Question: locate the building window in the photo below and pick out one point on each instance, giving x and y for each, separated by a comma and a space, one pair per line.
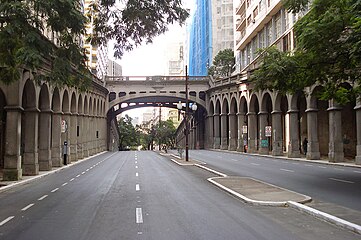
255, 12
278, 24
249, 20
286, 43
269, 34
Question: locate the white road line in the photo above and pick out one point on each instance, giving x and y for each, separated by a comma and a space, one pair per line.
308, 165
340, 169
64, 184
286, 170
6, 220
322, 167
82, 173
256, 164
27, 207
78, 175
357, 171
138, 215
87, 170
136, 166
295, 163
137, 187
54, 190
72, 179
43, 197
340, 180
136, 174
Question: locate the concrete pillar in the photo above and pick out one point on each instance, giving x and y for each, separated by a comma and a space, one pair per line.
252, 132
294, 135
84, 135
65, 136
240, 135
358, 131
262, 136
233, 132
91, 135
209, 132
335, 146
12, 158
277, 133
45, 162
79, 135
73, 138
313, 147
56, 149
217, 137
31, 159
224, 142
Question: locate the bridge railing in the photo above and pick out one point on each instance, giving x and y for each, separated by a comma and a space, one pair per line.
156, 78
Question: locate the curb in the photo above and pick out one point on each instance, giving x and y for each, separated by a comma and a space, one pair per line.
182, 164
325, 216
34, 178
210, 170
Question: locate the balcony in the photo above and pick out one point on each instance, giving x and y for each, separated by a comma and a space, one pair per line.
241, 23
242, 8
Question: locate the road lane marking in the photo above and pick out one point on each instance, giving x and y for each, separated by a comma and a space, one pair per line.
136, 174
78, 175
137, 187
27, 207
54, 190
357, 171
87, 170
138, 215
72, 179
296, 163
286, 170
340, 169
256, 164
136, 166
64, 184
6, 220
82, 173
340, 180
322, 167
308, 165
43, 197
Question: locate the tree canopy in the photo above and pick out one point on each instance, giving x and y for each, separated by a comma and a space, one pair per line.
129, 135
222, 64
328, 52
23, 45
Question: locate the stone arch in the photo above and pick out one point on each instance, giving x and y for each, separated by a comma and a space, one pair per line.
86, 105
225, 124
243, 124
29, 130
3, 104
44, 134
217, 124
265, 120
65, 102
253, 124
281, 124
56, 143
233, 124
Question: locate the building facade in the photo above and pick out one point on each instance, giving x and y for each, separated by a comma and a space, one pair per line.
114, 69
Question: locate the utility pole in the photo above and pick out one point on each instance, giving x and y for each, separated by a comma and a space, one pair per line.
186, 115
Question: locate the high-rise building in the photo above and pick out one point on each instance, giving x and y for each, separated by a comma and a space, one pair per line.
259, 24
97, 55
211, 31
114, 69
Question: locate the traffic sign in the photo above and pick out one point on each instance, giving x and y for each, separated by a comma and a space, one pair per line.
64, 126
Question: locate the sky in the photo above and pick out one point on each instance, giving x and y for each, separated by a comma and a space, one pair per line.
149, 59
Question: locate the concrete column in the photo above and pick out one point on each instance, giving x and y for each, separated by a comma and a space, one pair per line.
91, 135
12, 158
31, 159
73, 138
217, 137
224, 144
294, 135
313, 147
45, 162
79, 136
65, 136
233, 132
262, 126
277, 133
84, 136
335, 146
209, 131
240, 135
358, 131
252, 132
56, 148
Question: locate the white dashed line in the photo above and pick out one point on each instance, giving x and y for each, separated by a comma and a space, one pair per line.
286, 170
82, 173
27, 207
136, 174
54, 190
340, 169
296, 163
78, 175
72, 179
6, 220
357, 171
136, 166
137, 187
340, 180
64, 184
87, 170
308, 165
43, 197
136, 162
138, 215
255, 164
322, 167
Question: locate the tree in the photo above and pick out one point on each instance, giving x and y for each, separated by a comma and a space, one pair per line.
222, 64
165, 133
328, 52
129, 136
23, 46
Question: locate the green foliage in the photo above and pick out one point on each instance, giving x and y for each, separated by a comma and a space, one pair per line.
135, 22
222, 64
22, 44
328, 52
129, 135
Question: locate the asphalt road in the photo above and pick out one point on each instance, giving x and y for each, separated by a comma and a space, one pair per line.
141, 195
329, 183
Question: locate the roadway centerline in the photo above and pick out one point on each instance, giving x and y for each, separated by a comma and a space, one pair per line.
78, 175
72, 179
255, 164
136, 174
308, 165
136, 166
286, 170
82, 173
6, 220
340, 180
357, 171
340, 169
27, 207
64, 184
137, 187
43, 197
54, 190
322, 167
138, 215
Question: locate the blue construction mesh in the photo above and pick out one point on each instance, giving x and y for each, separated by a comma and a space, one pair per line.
200, 42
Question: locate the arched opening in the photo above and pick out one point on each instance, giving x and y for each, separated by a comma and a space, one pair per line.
233, 125
243, 125
253, 125
2, 127
56, 153
265, 125
210, 140
217, 125
225, 124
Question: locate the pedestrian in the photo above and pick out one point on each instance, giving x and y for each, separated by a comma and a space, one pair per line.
304, 145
